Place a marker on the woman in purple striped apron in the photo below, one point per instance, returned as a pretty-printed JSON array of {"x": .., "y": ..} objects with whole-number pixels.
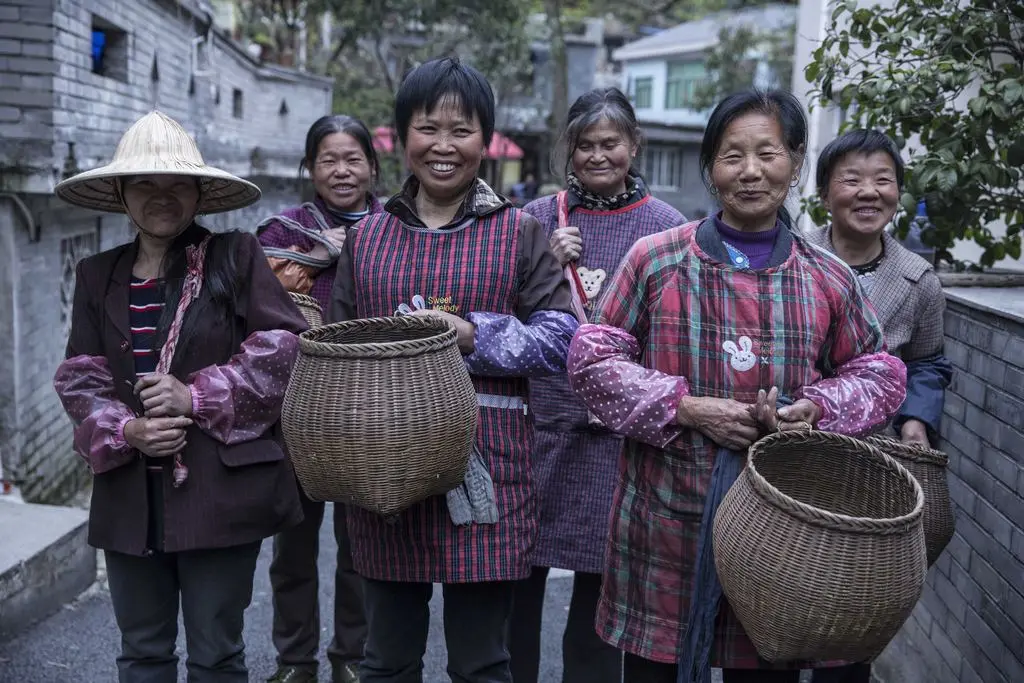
[
  {"x": 302, "y": 245},
  {"x": 448, "y": 246},
  {"x": 575, "y": 459}
]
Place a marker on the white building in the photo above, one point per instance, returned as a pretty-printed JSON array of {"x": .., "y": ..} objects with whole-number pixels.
[{"x": 661, "y": 74}]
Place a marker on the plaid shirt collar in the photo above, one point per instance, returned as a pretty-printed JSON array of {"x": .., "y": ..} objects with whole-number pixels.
[{"x": 479, "y": 202}]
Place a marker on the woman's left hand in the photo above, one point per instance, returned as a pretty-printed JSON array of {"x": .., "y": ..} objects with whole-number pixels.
[
  {"x": 164, "y": 396},
  {"x": 803, "y": 414},
  {"x": 465, "y": 330}
]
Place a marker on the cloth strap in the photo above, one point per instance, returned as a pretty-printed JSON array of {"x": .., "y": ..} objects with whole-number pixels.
[
  {"x": 695, "y": 657},
  {"x": 579, "y": 296},
  {"x": 195, "y": 257},
  {"x": 315, "y": 235}
]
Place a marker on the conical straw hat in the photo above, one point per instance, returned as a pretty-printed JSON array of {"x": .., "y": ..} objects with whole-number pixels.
[{"x": 157, "y": 144}]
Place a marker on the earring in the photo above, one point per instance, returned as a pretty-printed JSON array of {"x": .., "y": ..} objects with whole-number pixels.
[{"x": 713, "y": 191}]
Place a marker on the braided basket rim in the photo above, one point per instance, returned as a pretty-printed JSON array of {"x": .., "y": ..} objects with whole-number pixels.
[
  {"x": 312, "y": 342},
  {"x": 306, "y": 300},
  {"x": 820, "y": 516},
  {"x": 912, "y": 452}
]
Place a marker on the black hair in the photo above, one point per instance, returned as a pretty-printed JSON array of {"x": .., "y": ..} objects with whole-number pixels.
[
  {"x": 338, "y": 123},
  {"x": 860, "y": 141},
  {"x": 609, "y": 104},
  {"x": 431, "y": 82},
  {"x": 220, "y": 279},
  {"x": 779, "y": 104}
]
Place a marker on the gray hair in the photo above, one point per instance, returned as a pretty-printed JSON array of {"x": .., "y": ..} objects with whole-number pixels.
[{"x": 600, "y": 104}]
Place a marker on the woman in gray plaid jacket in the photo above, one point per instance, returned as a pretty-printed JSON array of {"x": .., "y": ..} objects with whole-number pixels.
[{"x": 859, "y": 178}]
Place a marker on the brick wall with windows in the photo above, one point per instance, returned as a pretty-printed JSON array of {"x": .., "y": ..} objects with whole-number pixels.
[{"x": 969, "y": 625}]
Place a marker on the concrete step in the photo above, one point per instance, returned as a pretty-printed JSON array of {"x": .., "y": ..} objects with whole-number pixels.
[{"x": 45, "y": 562}]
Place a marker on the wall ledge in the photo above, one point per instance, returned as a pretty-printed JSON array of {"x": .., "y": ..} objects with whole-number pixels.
[{"x": 1006, "y": 302}]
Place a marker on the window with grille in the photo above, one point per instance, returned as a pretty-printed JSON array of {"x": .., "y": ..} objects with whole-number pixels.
[
  {"x": 72, "y": 250},
  {"x": 643, "y": 89},
  {"x": 684, "y": 78},
  {"x": 664, "y": 167}
]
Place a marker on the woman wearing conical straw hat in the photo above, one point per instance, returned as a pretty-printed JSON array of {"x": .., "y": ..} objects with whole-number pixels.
[{"x": 175, "y": 374}]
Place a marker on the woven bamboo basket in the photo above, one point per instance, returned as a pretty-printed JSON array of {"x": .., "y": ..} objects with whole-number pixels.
[
  {"x": 380, "y": 413},
  {"x": 310, "y": 309},
  {"x": 929, "y": 468},
  {"x": 819, "y": 547}
]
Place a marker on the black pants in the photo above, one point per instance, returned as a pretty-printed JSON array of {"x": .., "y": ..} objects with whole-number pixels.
[
  {"x": 640, "y": 670},
  {"x": 585, "y": 657},
  {"x": 854, "y": 673},
  {"x": 294, "y": 577},
  {"x": 476, "y": 617},
  {"x": 213, "y": 586}
]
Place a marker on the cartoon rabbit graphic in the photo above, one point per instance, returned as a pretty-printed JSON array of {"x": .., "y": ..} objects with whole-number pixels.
[
  {"x": 418, "y": 304},
  {"x": 742, "y": 358}
]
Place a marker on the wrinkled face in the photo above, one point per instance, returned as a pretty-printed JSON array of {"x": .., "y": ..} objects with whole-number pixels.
[
  {"x": 602, "y": 157},
  {"x": 341, "y": 173},
  {"x": 444, "y": 149},
  {"x": 161, "y": 205},
  {"x": 753, "y": 171},
  {"x": 862, "y": 193}
]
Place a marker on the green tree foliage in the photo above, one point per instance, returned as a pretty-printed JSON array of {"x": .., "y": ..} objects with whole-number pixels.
[
  {"x": 732, "y": 64},
  {"x": 945, "y": 79}
]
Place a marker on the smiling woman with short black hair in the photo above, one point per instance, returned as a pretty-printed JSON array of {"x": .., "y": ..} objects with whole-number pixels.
[{"x": 448, "y": 246}]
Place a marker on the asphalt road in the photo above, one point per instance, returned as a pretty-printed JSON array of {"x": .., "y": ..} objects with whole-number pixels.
[{"x": 80, "y": 643}]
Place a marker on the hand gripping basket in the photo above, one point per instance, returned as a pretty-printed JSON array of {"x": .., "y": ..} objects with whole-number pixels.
[
  {"x": 310, "y": 309},
  {"x": 380, "y": 413},
  {"x": 929, "y": 468},
  {"x": 819, "y": 547}
]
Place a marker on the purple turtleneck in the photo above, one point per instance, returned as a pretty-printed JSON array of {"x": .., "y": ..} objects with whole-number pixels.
[{"x": 756, "y": 246}]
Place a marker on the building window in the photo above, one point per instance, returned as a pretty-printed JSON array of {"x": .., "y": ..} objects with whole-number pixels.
[
  {"x": 109, "y": 50},
  {"x": 664, "y": 167},
  {"x": 643, "y": 89},
  {"x": 684, "y": 78},
  {"x": 236, "y": 103}
]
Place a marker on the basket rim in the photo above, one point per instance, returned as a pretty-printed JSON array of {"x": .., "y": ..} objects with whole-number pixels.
[
  {"x": 444, "y": 336},
  {"x": 815, "y": 515},
  {"x": 305, "y": 300},
  {"x": 912, "y": 452}
]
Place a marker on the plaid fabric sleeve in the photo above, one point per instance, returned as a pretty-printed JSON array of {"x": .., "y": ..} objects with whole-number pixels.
[
  {"x": 863, "y": 386},
  {"x": 637, "y": 402},
  {"x": 927, "y": 339}
]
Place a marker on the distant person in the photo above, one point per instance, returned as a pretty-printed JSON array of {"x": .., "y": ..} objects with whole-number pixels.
[
  {"x": 182, "y": 343},
  {"x": 530, "y": 188},
  {"x": 303, "y": 245},
  {"x": 575, "y": 462}
]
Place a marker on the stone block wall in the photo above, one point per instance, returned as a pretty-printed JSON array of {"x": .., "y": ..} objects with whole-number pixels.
[{"x": 969, "y": 625}]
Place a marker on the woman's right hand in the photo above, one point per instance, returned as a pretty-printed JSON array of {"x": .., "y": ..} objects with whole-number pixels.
[
  {"x": 335, "y": 236},
  {"x": 727, "y": 422},
  {"x": 157, "y": 437},
  {"x": 567, "y": 243}
]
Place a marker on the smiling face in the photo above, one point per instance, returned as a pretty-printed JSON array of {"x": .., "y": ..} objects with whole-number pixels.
[
  {"x": 602, "y": 158},
  {"x": 161, "y": 205},
  {"x": 862, "y": 194},
  {"x": 443, "y": 149},
  {"x": 341, "y": 172},
  {"x": 753, "y": 171}
]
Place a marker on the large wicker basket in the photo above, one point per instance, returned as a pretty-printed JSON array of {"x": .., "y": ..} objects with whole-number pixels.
[
  {"x": 929, "y": 468},
  {"x": 380, "y": 413},
  {"x": 310, "y": 309},
  {"x": 819, "y": 547}
]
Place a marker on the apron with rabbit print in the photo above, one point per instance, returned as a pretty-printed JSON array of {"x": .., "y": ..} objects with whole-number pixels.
[{"x": 398, "y": 269}]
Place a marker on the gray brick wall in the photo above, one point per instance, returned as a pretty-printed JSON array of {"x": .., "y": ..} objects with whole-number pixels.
[
  {"x": 51, "y": 99},
  {"x": 969, "y": 625}
]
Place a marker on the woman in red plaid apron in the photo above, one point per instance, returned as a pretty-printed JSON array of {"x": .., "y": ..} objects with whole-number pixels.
[
  {"x": 182, "y": 343},
  {"x": 701, "y": 328},
  {"x": 448, "y": 246},
  {"x": 592, "y": 225}
]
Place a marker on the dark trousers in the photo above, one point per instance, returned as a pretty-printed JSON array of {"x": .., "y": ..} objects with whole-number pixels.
[
  {"x": 213, "y": 586},
  {"x": 476, "y": 617},
  {"x": 854, "y": 673},
  {"x": 585, "y": 657},
  {"x": 294, "y": 578},
  {"x": 640, "y": 670}
]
